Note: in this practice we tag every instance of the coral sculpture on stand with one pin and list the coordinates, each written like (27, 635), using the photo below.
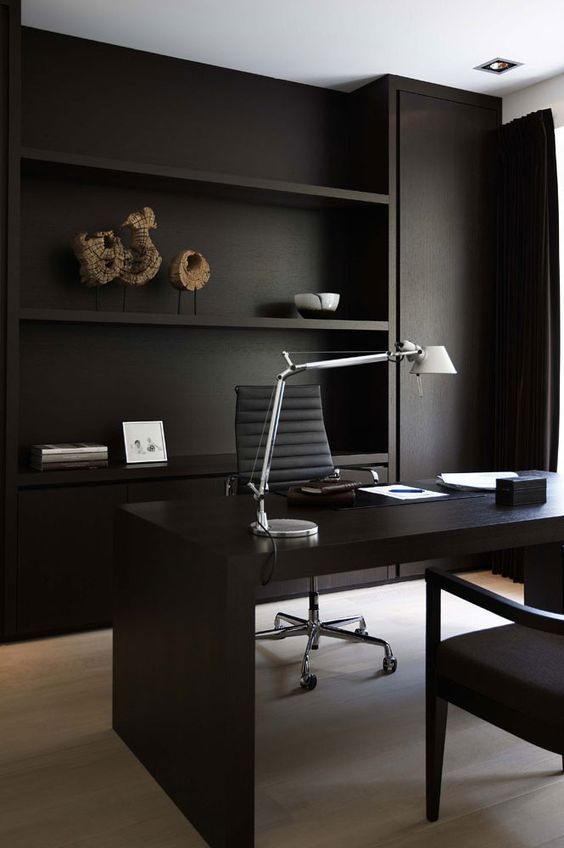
(189, 271)
(142, 259)
(103, 256)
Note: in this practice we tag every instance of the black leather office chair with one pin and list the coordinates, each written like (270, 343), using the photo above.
(301, 453)
(511, 676)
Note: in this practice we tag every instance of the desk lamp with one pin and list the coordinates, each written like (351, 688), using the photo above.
(425, 360)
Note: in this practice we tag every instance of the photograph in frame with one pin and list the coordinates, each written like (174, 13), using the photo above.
(144, 441)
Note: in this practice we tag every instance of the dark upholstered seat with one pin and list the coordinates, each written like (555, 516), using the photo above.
(511, 676)
(513, 665)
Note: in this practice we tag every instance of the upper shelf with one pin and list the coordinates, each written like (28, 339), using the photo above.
(85, 316)
(127, 172)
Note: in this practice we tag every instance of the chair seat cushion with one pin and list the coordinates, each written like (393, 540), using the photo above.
(511, 665)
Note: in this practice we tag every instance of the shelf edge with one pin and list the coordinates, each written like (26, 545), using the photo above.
(198, 321)
(210, 178)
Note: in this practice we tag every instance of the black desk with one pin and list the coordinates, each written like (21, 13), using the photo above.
(185, 578)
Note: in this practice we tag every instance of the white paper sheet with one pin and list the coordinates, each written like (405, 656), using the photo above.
(406, 495)
(481, 481)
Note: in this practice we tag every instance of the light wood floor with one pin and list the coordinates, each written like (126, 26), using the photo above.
(340, 767)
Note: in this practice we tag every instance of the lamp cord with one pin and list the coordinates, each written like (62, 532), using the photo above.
(272, 556)
(266, 577)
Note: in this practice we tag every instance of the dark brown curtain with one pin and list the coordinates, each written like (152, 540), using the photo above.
(527, 344)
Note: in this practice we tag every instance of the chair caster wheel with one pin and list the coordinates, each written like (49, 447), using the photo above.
(308, 681)
(389, 665)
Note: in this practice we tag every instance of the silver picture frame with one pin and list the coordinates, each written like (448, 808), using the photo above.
(144, 441)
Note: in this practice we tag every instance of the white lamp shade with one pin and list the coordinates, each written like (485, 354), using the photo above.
(433, 360)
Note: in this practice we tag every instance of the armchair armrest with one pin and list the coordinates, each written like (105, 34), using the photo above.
(438, 580)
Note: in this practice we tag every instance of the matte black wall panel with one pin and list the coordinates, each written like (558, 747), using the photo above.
(79, 382)
(91, 97)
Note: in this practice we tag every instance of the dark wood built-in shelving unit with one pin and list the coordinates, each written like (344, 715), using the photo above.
(285, 188)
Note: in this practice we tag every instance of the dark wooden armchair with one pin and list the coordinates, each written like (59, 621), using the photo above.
(512, 676)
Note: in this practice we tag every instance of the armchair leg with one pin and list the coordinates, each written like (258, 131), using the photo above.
(436, 721)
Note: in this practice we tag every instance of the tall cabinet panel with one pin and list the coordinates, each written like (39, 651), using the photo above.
(9, 252)
(446, 270)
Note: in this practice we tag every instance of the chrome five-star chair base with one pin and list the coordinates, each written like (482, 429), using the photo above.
(313, 628)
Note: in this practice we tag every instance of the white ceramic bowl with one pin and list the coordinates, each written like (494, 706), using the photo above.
(317, 305)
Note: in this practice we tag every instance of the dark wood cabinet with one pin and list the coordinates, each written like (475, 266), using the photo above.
(446, 279)
(65, 558)
(382, 194)
(446, 284)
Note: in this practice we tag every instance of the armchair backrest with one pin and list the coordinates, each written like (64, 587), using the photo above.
(301, 450)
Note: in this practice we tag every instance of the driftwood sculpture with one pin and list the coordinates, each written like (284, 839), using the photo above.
(142, 259)
(103, 256)
(189, 271)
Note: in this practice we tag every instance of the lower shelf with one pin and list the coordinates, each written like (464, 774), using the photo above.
(212, 465)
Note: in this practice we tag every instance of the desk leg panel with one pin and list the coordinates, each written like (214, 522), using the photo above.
(184, 676)
(544, 577)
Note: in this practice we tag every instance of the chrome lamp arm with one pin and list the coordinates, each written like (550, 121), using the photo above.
(287, 527)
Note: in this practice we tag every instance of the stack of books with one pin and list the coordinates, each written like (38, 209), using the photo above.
(68, 455)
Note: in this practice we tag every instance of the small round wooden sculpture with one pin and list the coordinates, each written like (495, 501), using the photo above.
(189, 271)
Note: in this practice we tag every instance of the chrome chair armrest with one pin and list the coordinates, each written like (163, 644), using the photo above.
(230, 487)
(373, 473)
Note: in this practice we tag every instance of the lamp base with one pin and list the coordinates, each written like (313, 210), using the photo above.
(285, 528)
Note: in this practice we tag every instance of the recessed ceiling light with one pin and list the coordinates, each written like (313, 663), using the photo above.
(498, 66)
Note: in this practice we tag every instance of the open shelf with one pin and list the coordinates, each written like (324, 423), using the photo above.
(85, 316)
(125, 172)
(213, 465)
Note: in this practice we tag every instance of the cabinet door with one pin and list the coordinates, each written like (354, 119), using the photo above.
(167, 490)
(446, 286)
(65, 558)
(446, 280)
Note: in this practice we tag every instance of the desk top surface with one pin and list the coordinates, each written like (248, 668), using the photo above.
(405, 532)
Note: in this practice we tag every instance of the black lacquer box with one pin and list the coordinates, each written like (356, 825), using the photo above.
(515, 491)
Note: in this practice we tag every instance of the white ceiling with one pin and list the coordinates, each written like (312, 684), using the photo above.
(332, 43)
